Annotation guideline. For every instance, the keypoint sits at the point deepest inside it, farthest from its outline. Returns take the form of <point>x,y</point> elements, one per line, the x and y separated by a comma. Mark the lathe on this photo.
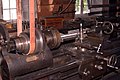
<point>84,53</point>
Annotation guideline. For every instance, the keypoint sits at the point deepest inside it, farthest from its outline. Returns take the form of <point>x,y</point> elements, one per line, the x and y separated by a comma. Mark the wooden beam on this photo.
<point>19,16</point>
<point>32,25</point>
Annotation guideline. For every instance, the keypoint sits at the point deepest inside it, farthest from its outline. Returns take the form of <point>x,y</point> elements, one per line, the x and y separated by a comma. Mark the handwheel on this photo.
<point>108,27</point>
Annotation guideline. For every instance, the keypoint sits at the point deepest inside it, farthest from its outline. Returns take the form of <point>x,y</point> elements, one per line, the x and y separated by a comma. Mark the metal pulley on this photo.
<point>22,43</point>
<point>53,38</point>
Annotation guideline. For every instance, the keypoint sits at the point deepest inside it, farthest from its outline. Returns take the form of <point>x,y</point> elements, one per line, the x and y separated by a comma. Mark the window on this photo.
<point>9,9</point>
<point>85,8</point>
<point>79,5</point>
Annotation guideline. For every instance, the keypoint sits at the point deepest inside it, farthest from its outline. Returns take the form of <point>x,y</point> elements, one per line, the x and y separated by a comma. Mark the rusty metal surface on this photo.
<point>19,65</point>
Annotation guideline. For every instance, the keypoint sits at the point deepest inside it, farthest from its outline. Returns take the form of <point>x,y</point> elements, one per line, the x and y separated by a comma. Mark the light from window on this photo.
<point>9,9</point>
<point>85,8</point>
<point>78,7</point>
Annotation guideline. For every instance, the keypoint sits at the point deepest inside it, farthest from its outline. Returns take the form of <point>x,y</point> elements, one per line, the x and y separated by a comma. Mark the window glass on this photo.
<point>9,9</point>
<point>78,7</point>
<point>6,15</point>
<point>13,13</point>
<point>12,3</point>
<point>5,4</point>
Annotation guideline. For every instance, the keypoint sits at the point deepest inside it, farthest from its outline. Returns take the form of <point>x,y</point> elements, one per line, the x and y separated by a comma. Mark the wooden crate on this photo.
<point>56,22</point>
<point>46,8</point>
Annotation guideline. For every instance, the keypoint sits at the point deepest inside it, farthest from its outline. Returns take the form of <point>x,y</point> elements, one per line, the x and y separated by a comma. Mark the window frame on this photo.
<point>82,7</point>
<point>9,9</point>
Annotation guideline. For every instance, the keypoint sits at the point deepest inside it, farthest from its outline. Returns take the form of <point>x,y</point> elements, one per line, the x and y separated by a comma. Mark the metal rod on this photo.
<point>71,36</point>
<point>81,33</point>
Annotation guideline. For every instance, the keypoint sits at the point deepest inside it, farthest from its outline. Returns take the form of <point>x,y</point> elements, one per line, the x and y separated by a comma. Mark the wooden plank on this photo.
<point>19,17</point>
<point>32,26</point>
